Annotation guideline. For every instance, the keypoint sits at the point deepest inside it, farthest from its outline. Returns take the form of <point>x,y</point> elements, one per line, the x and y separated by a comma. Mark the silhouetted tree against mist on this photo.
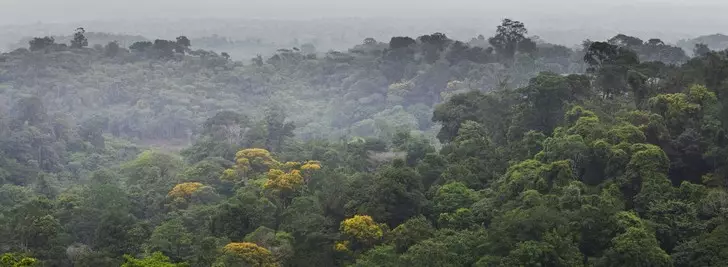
<point>401,42</point>
<point>655,42</point>
<point>611,64</point>
<point>625,40</point>
<point>652,50</point>
<point>510,38</point>
<point>225,55</point>
<point>433,45</point>
<point>701,50</point>
<point>79,39</point>
<point>369,41</point>
<point>165,48</point>
<point>140,46</point>
<point>183,44</point>
<point>38,43</point>
<point>112,49</point>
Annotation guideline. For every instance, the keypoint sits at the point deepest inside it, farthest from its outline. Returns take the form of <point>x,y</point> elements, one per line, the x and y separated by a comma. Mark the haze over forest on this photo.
<point>374,133</point>
<point>558,21</point>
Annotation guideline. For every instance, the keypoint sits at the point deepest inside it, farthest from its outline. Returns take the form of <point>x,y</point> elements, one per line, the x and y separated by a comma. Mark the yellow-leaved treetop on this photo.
<point>184,190</point>
<point>282,178</point>
<point>251,254</point>
<point>362,228</point>
<point>311,165</point>
<point>255,159</point>
<point>342,246</point>
<point>291,165</point>
<point>284,182</point>
<point>250,161</point>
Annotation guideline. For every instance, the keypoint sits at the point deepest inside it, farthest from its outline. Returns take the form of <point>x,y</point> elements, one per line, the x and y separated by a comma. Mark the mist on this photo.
<point>368,133</point>
<point>667,19</point>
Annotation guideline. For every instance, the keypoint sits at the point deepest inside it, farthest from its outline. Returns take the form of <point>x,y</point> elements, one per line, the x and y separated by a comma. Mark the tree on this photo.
<point>362,229</point>
<point>472,156</point>
<point>112,49</point>
<point>446,249</point>
<point>183,44</point>
<point>636,247</point>
<point>453,196</point>
<point>79,39</point>
<point>511,37</point>
<point>401,42</point>
<point>17,260</point>
<point>625,40</point>
<point>284,184</point>
<point>709,249</point>
<point>279,243</point>
<point>611,64</point>
<point>246,254</point>
<point>172,238</point>
<point>92,131</point>
<point>701,50</point>
<point>655,42</point>
<point>43,43</point>
<point>225,55</point>
<point>554,251</point>
<point>545,98</point>
<point>411,232</point>
<point>156,259</point>
<point>34,228</point>
<point>30,110</point>
<point>278,130</point>
<point>184,190</point>
<point>242,214</point>
<point>380,256</point>
<point>141,46</point>
<point>394,195</point>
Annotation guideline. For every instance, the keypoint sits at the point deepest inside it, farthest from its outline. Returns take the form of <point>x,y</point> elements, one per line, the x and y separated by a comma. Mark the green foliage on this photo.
<point>380,256</point>
<point>394,195</point>
<point>411,232</point>
<point>172,238</point>
<point>636,247</point>
<point>427,151</point>
<point>16,260</point>
<point>156,259</point>
<point>453,196</point>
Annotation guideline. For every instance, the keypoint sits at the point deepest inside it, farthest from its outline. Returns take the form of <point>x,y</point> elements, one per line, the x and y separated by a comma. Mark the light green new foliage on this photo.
<point>453,196</point>
<point>17,260</point>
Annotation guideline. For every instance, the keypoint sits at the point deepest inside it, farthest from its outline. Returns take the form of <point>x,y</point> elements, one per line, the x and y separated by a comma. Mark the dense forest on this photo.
<point>501,150</point>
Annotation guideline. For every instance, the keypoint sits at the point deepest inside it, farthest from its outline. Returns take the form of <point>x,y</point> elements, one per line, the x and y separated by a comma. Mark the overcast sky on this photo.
<point>29,11</point>
<point>663,18</point>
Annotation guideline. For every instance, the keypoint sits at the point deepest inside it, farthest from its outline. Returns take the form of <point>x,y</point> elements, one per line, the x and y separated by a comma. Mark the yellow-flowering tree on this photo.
<point>284,183</point>
<point>17,260</point>
<point>308,168</point>
<point>250,161</point>
<point>255,159</point>
<point>185,194</point>
<point>362,229</point>
<point>184,190</point>
<point>246,254</point>
<point>282,179</point>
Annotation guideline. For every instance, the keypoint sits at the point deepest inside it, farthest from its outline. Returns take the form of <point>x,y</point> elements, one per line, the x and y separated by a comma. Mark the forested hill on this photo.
<point>165,89</point>
<point>426,151</point>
